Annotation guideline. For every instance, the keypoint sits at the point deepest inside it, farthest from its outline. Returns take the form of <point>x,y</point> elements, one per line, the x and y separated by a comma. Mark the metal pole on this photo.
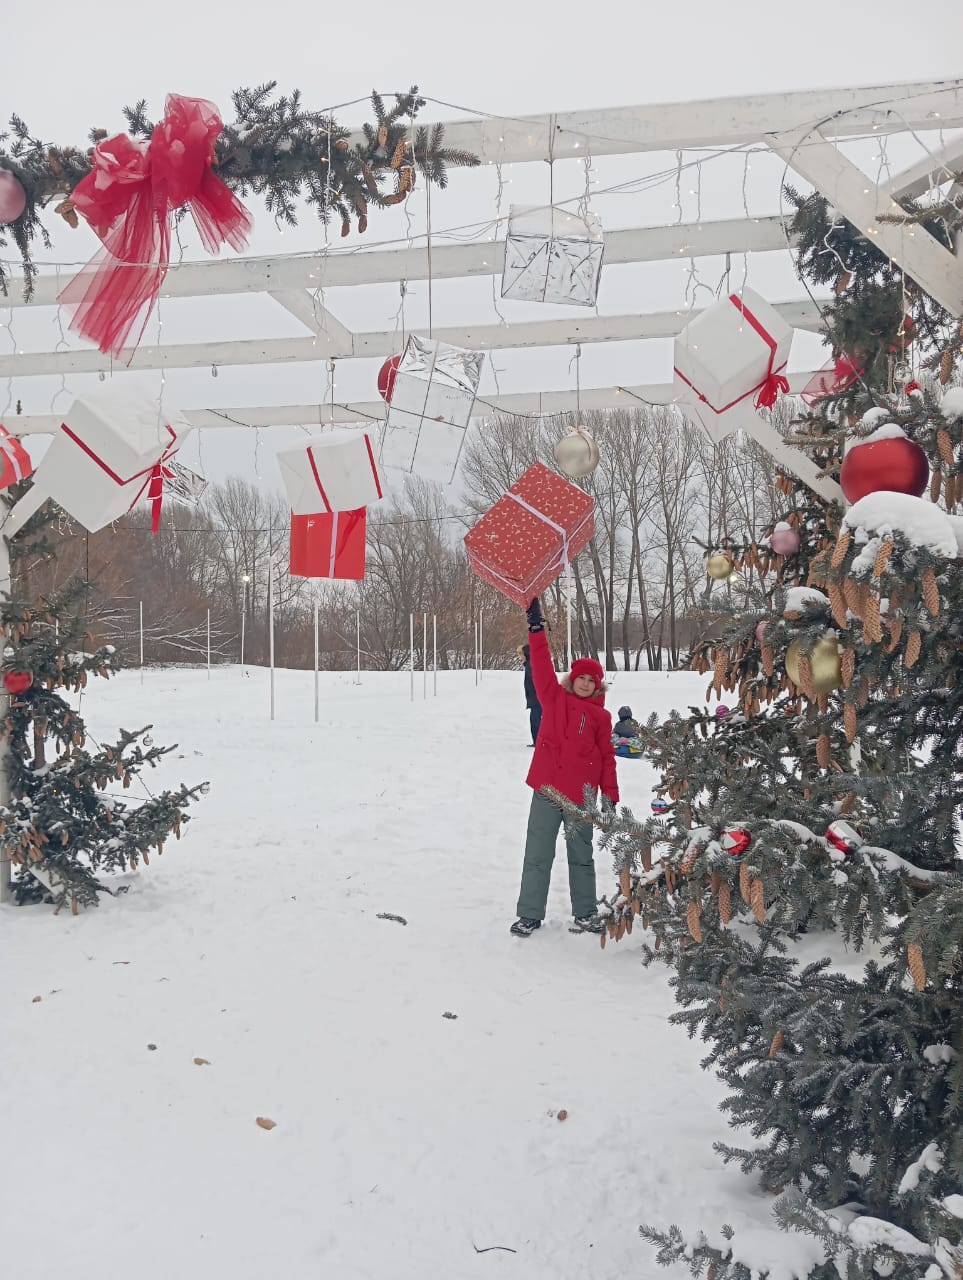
<point>271,626</point>
<point>243,620</point>
<point>568,611</point>
<point>605,647</point>
<point>475,629</point>
<point>481,643</point>
<point>434,634</point>
<point>316,660</point>
<point>6,878</point>
<point>142,642</point>
<point>424,655</point>
<point>359,646</point>
<point>411,652</point>
<point>208,644</point>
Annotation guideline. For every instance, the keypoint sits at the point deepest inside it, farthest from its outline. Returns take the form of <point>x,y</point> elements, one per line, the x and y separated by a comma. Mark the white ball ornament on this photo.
<point>577,454</point>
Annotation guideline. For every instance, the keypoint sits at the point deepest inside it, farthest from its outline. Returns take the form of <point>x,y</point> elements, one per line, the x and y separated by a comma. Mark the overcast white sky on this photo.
<point>70,66</point>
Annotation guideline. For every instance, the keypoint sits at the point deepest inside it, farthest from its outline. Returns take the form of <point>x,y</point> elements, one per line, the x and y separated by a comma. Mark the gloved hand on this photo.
<point>534,615</point>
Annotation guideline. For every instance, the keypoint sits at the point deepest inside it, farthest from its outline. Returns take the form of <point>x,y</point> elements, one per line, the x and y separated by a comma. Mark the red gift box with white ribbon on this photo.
<point>534,530</point>
<point>15,463</point>
<point>329,545</point>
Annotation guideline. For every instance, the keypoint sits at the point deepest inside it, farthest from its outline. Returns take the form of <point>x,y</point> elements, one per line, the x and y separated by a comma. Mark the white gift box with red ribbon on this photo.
<point>108,455</point>
<point>333,472</point>
<point>730,361</point>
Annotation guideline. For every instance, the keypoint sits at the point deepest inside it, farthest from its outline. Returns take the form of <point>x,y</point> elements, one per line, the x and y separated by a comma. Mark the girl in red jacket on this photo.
<point>573,751</point>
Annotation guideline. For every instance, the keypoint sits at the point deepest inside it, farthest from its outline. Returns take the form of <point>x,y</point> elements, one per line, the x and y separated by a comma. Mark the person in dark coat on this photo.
<point>531,697</point>
<point>573,751</point>
<point>625,726</point>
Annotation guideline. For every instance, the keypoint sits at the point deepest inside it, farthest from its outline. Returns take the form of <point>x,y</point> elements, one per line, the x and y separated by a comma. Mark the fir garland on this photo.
<point>275,148</point>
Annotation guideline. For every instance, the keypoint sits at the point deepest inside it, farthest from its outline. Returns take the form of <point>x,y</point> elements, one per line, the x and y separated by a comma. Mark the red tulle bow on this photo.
<point>832,379</point>
<point>128,198</point>
<point>770,390</point>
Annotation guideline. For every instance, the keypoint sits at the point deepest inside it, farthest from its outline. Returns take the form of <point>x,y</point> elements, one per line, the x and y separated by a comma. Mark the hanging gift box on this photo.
<point>333,472</point>
<point>533,531</point>
<point>15,463</point>
<point>731,358</point>
<point>110,453</point>
<point>430,406</point>
<point>552,255</point>
<point>328,545</point>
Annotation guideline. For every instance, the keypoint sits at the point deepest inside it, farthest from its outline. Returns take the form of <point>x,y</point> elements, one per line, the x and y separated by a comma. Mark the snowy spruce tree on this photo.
<point>72,817</point>
<point>828,804</point>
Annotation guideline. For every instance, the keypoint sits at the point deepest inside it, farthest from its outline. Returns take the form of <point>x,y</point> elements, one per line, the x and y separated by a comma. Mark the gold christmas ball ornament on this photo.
<point>577,454</point>
<point>720,566</point>
<point>825,660</point>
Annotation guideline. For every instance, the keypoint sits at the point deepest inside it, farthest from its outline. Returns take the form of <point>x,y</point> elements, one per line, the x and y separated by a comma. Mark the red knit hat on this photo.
<point>588,667</point>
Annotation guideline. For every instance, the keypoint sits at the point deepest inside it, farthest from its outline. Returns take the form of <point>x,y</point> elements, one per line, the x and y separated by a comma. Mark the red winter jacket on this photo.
<point>573,748</point>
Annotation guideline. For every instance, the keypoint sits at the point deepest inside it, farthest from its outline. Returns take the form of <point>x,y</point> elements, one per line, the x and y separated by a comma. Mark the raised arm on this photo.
<point>543,672</point>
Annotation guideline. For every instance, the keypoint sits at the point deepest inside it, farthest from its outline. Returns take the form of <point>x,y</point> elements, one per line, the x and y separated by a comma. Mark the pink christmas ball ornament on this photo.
<point>761,632</point>
<point>13,198</point>
<point>784,539</point>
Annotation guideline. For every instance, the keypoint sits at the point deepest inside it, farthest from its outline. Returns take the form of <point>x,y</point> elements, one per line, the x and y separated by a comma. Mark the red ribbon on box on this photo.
<point>128,198</point>
<point>156,475</point>
<point>831,379</point>
<point>15,464</point>
<point>317,477</point>
<point>772,384</point>
<point>329,545</point>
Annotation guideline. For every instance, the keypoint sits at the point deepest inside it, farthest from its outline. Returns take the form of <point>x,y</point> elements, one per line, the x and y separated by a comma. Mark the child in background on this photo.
<point>573,750</point>
<point>625,726</point>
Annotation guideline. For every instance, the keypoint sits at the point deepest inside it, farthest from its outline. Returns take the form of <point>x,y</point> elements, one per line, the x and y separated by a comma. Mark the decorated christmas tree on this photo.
<point>828,803</point>
<point>75,809</point>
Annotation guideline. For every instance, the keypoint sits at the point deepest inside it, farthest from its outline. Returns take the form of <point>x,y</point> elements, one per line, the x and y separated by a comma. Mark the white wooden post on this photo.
<point>434,663</point>
<point>6,879</point>
<point>271,626</point>
<point>208,643</point>
<point>358,622</point>
<point>411,652</point>
<point>605,647</point>
<point>475,633</point>
<point>142,642</point>
<point>315,660</point>
<point>481,644</point>
<point>243,621</point>
<point>424,655</point>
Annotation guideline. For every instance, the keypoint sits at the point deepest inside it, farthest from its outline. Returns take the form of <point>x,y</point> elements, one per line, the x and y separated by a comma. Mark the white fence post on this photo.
<point>411,652</point>
<point>315,660</point>
<point>271,627</point>
<point>434,634</point>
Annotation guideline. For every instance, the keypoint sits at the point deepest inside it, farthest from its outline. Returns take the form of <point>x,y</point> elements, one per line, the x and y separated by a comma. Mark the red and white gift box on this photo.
<point>531,534</point>
<point>333,472</point>
<point>329,545</point>
<point>730,361</point>
<point>15,463</point>
<point>109,454</point>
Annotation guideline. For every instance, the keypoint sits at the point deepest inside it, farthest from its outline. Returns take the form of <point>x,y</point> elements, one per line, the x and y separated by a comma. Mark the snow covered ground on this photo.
<point>409,1145</point>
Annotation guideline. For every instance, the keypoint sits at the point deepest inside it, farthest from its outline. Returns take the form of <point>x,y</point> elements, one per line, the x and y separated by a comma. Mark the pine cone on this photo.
<point>757,900</point>
<point>848,666</point>
<point>895,632</point>
<point>843,281</point>
<point>946,367</point>
<point>944,445</point>
<point>768,660</point>
<point>625,882</point>
<point>68,213</point>
<point>936,482</point>
<point>383,135</point>
<point>851,593</point>
<point>806,678</point>
<point>837,602</point>
<point>842,546</point>
<point>871,627</point>
<point>725,903</point>
<point>882,557</point>
<point>850,721</point>
<point>689,861</point>
<point>847,802</point>
<point>693,914</point>
<point>745,883</point>
<point>931,592</point>
<point>777,1043</point>
<point>914,958</point>
<point>824,751</point>
<point>864,691</point>
<point>399,154</point>
<point>719,670</point>
<point>912,653</point>
<point>715,882</point>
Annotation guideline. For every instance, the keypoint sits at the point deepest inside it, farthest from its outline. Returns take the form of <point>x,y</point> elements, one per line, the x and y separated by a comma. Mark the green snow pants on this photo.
<point>544,820</point>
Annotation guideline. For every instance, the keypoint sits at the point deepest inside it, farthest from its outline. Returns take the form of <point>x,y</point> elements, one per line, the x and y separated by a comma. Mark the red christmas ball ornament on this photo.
<point>386,377</point>
<point>905,335</point>
<point>844,837</point>
<point>13,198</point>
<point>891,465</point>
<point>17,681</point>
<point>735,841</point>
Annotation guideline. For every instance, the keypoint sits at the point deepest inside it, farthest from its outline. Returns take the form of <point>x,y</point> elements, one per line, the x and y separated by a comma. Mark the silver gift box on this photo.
<point>430,408</point>
<point>552,255</point>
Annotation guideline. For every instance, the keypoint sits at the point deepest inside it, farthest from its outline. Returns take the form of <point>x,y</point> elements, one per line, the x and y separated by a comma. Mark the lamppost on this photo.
<point>246,579</point>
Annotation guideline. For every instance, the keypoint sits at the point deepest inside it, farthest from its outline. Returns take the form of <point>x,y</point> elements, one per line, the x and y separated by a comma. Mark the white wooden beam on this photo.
<point>307,415</point>
<point>932,171</point>
<point>306,307</point>
<point>859,200</point>
<point>339,267</point>
<point>801,314</point>
<point>717,122</point>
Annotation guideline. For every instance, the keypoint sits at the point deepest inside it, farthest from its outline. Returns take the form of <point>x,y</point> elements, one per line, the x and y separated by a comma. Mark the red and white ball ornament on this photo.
<point>13,198</point>
<point>844,837</point>
<point>386,378</point>
<point>17,681</point>
<point>735,841</point>
<point>659,806</point>
<point>887,462</point>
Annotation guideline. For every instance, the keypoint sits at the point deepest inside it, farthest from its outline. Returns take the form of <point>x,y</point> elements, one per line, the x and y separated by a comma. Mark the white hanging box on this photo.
<point>730,360</point>
<point>108,455</point>
<point>430,407</point>
<point>333,472</point>
<point>552,255</point>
